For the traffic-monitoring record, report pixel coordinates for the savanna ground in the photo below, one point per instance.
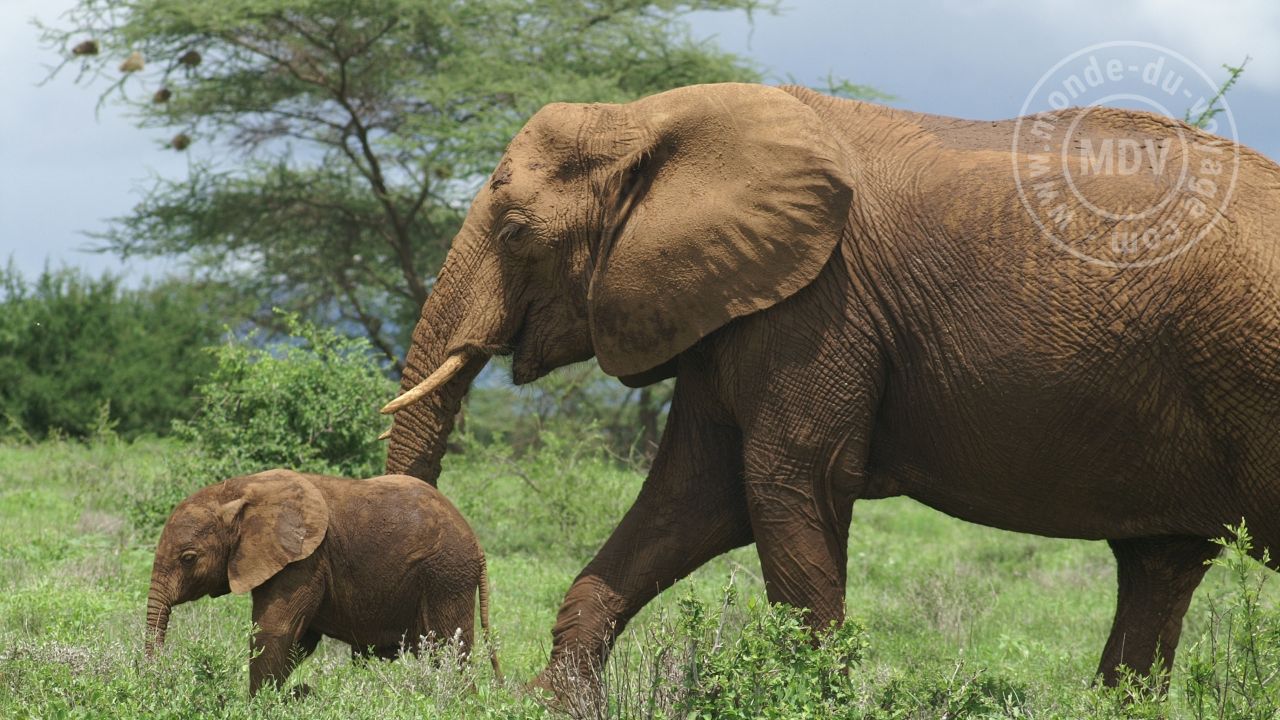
(952, 619)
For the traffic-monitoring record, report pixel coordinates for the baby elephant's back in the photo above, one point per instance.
(399, 523)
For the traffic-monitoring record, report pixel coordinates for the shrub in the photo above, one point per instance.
(1233, 672)
(773, 668)
(309, 404)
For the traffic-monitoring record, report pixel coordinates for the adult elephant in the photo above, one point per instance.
(856, 304)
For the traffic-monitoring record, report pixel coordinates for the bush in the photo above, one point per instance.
(761, 661)
(773, 669)
(72, 345)
(308, 404)
(1233, 673)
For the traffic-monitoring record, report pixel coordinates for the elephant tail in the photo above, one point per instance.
(484, 616)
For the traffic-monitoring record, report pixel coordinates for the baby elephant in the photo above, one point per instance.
(374, 563)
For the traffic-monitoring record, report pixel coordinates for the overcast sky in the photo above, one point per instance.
(62, 172)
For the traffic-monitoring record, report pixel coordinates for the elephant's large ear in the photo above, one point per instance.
(735, 201)
(277, 518)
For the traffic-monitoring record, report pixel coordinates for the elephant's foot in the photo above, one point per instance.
(570, 687)
(589, 619)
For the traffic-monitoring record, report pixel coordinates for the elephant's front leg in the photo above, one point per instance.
(282, 609)
(800, 520)
(805, 457)
(690, 509)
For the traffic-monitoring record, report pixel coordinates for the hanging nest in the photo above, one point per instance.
(180, 142)
(88, 47)
(162, 96)
(190, 58)
(133, 63)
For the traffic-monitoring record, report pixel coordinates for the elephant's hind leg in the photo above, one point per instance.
(450, 618)
(1157, 577)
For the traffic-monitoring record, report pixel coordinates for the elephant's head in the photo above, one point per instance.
(627, 232)
(232, 537)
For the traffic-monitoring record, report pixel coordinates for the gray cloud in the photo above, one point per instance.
(981, 59)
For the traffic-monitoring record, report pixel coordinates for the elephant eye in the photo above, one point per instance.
(188, 557)
(509, 233)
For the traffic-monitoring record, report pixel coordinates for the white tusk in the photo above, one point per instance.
(386, 434)
(447, 370)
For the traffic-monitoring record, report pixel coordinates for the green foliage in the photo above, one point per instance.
(78, 353)
(1233, 673)
(772, 669)
(309, 405)
(705, 662)
(361, 126)
(1206, 114)
(74, 571)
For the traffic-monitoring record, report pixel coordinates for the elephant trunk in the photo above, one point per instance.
(157, 622)
(451, 344)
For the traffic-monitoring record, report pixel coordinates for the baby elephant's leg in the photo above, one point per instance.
(282, 631)
(277, 655)
(306, 646)
(450, 618)
(307, 643)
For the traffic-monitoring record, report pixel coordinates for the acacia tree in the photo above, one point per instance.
(335, 142)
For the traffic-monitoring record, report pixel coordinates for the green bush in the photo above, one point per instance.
(309, 403)
(1233, 673)
(761, 661)
(72, 345)
(773, 668)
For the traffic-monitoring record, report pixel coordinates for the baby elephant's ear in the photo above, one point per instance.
(278, 517)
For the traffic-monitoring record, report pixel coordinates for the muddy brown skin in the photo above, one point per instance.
(374, 563)
(855, 304)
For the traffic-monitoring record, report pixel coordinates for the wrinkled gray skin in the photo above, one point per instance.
(856, 304)
(375, 563)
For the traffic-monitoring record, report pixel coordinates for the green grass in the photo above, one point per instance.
(959, 620)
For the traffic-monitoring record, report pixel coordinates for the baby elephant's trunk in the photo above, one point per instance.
(157, 623)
